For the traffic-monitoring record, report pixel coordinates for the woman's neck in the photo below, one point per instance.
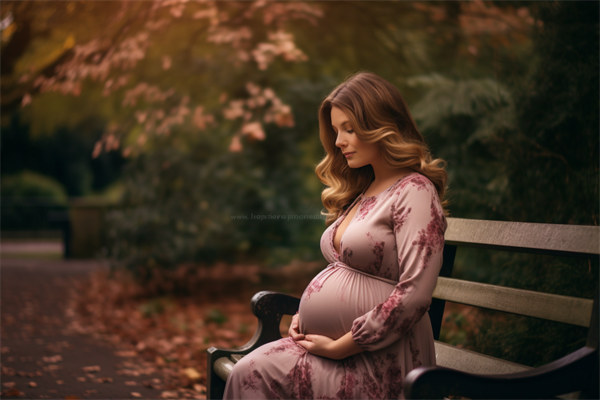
(385, 175)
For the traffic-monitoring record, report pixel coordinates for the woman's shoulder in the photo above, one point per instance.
(414, 181)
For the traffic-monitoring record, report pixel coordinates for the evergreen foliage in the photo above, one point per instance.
(550, 159)
(553, 157)
(29, 199)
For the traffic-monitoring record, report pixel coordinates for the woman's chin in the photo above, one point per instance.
(355, 164)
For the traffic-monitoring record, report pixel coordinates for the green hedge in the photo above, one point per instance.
(31, 201)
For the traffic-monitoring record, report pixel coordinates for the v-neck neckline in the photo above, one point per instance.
(357, 201)
(341, 220)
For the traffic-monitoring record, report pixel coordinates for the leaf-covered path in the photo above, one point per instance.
(42, 357)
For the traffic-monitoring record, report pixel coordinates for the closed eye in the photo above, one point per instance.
(348, 128)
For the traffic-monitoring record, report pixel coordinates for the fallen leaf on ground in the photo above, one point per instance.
(12, 393)
(51, 367)
(91, 368)
(126, 353)
(200, 388)
(169, 394)
(53, 359)
(192, 374)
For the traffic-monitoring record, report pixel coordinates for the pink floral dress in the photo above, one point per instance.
(379, 288)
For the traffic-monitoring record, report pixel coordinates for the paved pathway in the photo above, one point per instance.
(40, 357)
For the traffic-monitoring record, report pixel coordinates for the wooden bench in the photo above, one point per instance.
(467, 373)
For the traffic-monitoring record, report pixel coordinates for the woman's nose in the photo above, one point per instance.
(340, 140)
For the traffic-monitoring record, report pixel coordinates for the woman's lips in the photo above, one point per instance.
(349, 154)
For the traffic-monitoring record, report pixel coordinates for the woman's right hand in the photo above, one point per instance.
(294, 330)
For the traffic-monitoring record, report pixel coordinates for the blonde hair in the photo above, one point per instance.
(378, 114)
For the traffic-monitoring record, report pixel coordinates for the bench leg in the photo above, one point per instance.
(215, 386)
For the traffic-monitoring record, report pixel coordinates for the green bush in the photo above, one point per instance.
(201, 203)
(31, 201)
(29, 185)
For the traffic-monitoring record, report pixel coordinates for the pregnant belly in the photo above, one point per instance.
(336, 297)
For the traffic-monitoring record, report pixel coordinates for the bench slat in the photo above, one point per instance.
(236, 357)
(472, 362)
(566, 309)
(549, 238)
(223, 367)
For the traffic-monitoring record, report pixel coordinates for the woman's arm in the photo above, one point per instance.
(418, 226)
(326, 347)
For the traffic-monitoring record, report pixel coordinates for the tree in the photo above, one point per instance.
(214, 103)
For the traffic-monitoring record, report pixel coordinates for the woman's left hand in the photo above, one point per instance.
(327, 347)
(319, 345)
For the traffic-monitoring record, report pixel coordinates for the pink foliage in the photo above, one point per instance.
(111, 59)
(253, 130)
(280, 44)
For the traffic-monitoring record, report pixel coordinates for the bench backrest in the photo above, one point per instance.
(552, 239)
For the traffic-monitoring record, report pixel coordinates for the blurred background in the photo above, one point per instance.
(172, 137)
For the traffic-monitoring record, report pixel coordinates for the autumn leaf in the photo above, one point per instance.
(192, 374)
(91, 369)
(53, 359)
(12, 393)
(171, 394)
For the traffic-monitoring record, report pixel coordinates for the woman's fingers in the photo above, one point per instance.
(294, 329)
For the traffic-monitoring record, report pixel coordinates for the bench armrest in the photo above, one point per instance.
(268, 307)
(576, 371)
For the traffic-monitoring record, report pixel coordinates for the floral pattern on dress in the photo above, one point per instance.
(365, 206)
(314, 287)
(346, 255)
(418, 181)
(286, 346)
(301, 378)
(432, 237)
(399, 216)
(251, 381)
(377, 247)
(350, 381)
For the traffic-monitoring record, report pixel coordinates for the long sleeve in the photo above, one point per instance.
(418, 225)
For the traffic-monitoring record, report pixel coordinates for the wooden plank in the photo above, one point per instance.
(566, 309)
(223, 367)
(524, 236)
(473, 362)
(236, 357)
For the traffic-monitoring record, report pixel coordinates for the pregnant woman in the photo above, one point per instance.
(362, 323)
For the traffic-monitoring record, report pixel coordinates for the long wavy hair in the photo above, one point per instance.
(378, 114)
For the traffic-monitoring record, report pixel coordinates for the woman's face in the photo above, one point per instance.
(357, 153)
